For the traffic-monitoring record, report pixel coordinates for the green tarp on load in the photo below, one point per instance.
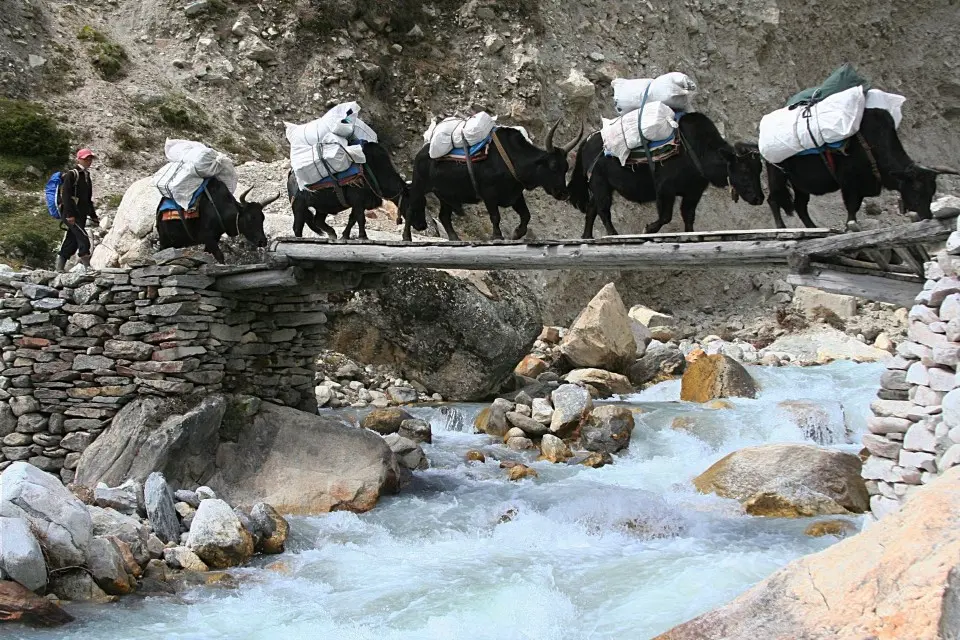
(843, 78)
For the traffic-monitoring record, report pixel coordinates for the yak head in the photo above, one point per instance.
(550, 169)
(250, 219)
(917, 186)
(744, 167)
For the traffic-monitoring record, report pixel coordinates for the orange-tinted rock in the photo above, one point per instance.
(717, 376)
(530, 367)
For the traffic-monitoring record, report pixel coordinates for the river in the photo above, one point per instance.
(464, 553)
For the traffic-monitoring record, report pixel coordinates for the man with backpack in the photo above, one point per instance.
(76, 207)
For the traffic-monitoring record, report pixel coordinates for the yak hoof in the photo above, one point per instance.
(519, 233)
(852, 226)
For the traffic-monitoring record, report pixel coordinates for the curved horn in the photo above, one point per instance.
(243, 196)
(946, 171)
(571, 146)
(269, 201)
(553, 130)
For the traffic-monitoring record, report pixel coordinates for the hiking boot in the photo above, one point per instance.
(61, 265)
(85, 261)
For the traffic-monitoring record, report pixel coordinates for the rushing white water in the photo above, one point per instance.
(441, 561)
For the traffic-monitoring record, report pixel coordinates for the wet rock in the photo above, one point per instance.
(838, 528)
(822, 422)
(554, 449)
(409, 454)
(20, 556)
(530, 427)
(77, 585)
(606, 383)
(607, 429)
(475, 456)
(217, 536)
(55, 514)
(716, 376)
(272, 528)
(592, 459)
(385, 421)
(108, 569)
(520, 443)
(571, 404)
(416, 430)
(493, 419)
(659, 363)
(19, 604)
(184, 558)
(161, 509)
(521, 471)
(601, 336)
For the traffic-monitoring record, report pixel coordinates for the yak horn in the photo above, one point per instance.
(946, 171)
(552, 131)
(243, 196)
(570, 147)
(270, 201)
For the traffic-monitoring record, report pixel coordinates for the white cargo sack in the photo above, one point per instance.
(189, 164)
(890, 102)
(786, 132)
(342, 120)
(450, 133)
(333, 154)
(676, 90)
(622, 135)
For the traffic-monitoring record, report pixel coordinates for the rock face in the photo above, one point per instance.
(19, 604)
(218, 537)
(601, 337)
(20, 556)
(302, 463)
(858, 587)
(134, 222)
(60, 519)
(142, 439)
(607, 430)
(606, 383)
(442, 331)
(716, 376)
(789, 480)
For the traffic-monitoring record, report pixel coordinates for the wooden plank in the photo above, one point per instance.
(909, 260)
(520, 256)
(793, 234)
(863, 286)
(831, 265)
(272, 279)
(924, 231)
(851, 262)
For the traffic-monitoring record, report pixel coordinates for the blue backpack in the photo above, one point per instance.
(52, 193)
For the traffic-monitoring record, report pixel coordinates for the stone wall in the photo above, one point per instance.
(914, 433)
(78, 346)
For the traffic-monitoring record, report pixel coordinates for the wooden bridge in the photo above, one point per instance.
(884, 265)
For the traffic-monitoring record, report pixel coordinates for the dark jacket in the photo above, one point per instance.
(77, 195)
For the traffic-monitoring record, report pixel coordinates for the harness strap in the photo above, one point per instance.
(870, 157)
(337, 189)
(473, 177)
(219, 217)
(506, 158)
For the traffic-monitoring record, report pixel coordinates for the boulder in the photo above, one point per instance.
(408, 453)
(134, 221)
(108, 523)
(660, 362)
(19, 604)
(416, 430)
(303, 463)
(717, 376)
(127, 498)
(649, 318)
(161, 510)
(601, 336)
(554, 449)
(217, 536)
(576, 89)
(272, 529)
(809, 301)
(858, 587)
(606, 383)
(521, 471)
(457, 336)
(184, 558)
(797, 474)
(108, 569)
(21, 558)
(493, 419)
(824, 344)
(542, 411)
(59, 520)
(531, 367)
(144, 437)
(607, 429)
(77, 585)
(530, 427)
(571, 404)
(385, 421)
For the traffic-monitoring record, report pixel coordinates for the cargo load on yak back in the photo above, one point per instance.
(841, 136)
(474, 160)
(336, 164)
(198, 206)
(656, 152)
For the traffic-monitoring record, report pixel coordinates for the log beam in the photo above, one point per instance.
(264, 279)
(875, 288)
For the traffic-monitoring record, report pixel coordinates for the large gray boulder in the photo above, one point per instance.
(160, 508)
(21, 559)
(148, 435)
(303, 463)
(457, 335)
(108, 569)
(135, 220)
(602, 336)
(571, 404)
(607, 429)
(59, 518)
(218, 537)
(108, 523)
(127, 498)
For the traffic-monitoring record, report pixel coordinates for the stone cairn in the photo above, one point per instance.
(914, 433)
(78, 346)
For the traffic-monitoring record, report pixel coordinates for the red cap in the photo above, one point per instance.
(85, 153)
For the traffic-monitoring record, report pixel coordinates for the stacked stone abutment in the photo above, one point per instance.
(914, 432)
(78, 346)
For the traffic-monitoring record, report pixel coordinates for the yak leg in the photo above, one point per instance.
(664, 212)
(215, 250)
(688, 209)
(852, 200)
(520, 206)
(800, 201)
(775, 210)
(407, 235)
(589, 218)
(603, 202)
(446, 211)
(494, 212)
(300, 216)
(317, 223)
(359, 215)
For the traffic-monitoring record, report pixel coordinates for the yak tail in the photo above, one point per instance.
(578, 187)
(780, 192)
